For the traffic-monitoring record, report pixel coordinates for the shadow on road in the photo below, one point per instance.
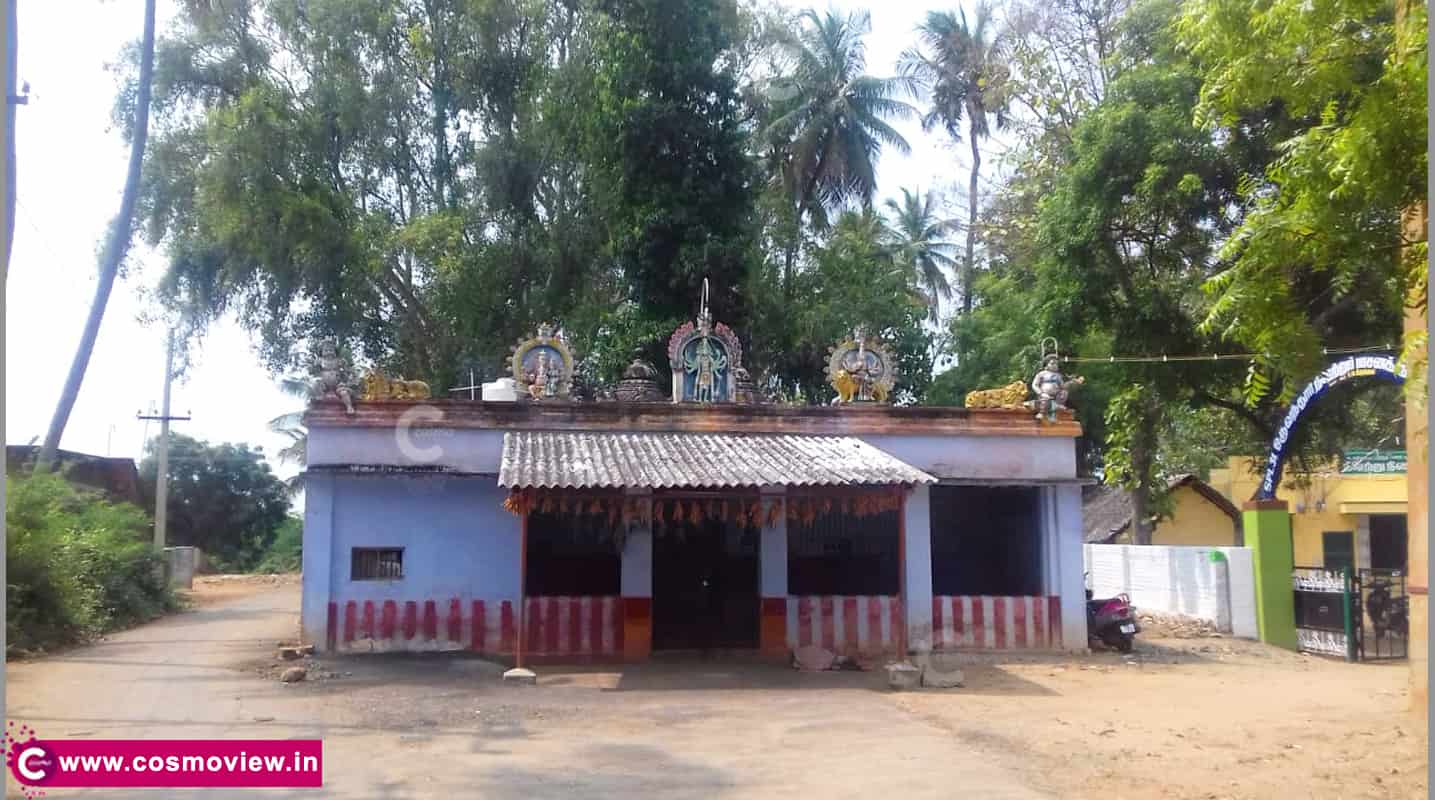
(614, 770)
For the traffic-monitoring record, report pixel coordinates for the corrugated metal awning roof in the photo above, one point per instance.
(553, 460)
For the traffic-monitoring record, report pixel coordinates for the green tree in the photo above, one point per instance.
(853, 280)
(1127, 235)
(1105, 237)
(1321, 248)
(667, 154)
(415, 168)
(917, 237)
(963, 68)
(433, 178)
(223, 499)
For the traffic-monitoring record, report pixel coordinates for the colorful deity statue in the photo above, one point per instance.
(542, 366)
(540, 382)
(861, 369)
(333, 375)
(707, 366)
(1052, 389)
(706, 360)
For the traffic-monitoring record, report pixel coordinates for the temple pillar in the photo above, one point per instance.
(1417, 508)
(1362, 541)
(1063, 564)
(637, 585)
(318, 615)
(772, 579)
(1410, 40)
(916, 586)
(1267, 524)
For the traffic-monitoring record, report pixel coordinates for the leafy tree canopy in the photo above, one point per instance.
(223, 499)
(1109, 240)
(1320, 247)
(427, 181)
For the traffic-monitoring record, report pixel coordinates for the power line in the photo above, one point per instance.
(1328, 351)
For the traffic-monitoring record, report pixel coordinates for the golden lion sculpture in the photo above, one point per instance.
(848, 386)
(377, 386)
(845, 384)
(1013, 395)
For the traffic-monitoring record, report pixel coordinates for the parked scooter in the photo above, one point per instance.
(1112, 621)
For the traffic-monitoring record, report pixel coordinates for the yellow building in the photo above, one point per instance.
(1200, 516)
(1350, 512)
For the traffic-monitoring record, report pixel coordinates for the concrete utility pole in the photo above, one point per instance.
(161, 486)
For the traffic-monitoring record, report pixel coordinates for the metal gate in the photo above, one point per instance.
(1324, 613)
(1383, 609)
(1355, 614)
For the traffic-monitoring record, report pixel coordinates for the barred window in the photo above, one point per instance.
(376, 563)
(843, 554)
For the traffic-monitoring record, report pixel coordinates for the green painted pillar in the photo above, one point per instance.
(1267, 525)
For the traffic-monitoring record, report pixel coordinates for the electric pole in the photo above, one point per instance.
(161, 485)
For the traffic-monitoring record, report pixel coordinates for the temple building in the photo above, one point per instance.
(531, 524)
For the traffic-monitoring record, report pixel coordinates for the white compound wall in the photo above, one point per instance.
(1180, 580)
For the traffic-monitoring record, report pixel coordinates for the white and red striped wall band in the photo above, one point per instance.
(985, 622)
(848, 625)
(557, 626)
(593, 626)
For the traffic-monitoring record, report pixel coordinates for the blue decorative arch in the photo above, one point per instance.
(1384, 367)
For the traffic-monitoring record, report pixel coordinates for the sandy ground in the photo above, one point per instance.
(212, 589)
(1193, 718)
(1183, 718)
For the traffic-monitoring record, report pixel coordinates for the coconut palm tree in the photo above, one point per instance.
(116, 245)
(830, 126)
(916, 236)
(292, 426)
(962, 66)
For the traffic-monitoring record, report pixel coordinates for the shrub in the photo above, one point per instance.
(78, 565)
(285, 553)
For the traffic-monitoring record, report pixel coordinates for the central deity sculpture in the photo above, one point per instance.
(706, 364)
(542, 365)
(539, 386)
(706, 359)
(861, 369)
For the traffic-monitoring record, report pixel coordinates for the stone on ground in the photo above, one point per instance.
(811, 658)
(519, 676)
(934, 677)
(293, 674)
(903, 676)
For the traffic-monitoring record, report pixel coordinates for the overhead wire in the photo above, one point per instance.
(1327, 351)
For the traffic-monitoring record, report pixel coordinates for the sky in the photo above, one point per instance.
(71, 168)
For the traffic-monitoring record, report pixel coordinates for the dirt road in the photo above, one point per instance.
(1183, 718)
(431, 727)
(1196, 719)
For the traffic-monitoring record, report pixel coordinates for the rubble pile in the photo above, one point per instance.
(1176, 626)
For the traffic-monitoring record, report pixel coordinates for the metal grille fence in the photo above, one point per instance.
(1384, 613)
(1355, 614)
